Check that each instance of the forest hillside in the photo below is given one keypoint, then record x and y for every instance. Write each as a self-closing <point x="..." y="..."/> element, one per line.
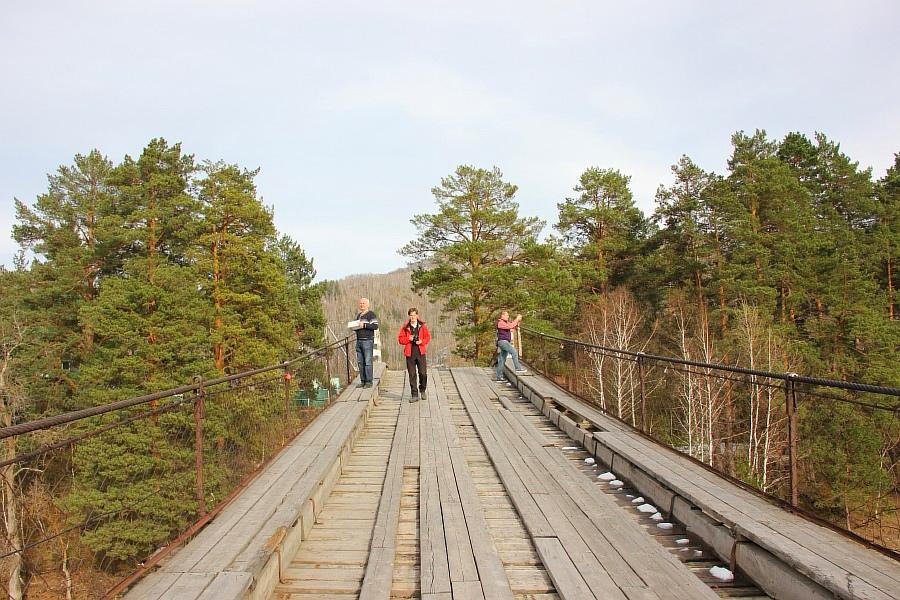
<point x="391" y="295"/>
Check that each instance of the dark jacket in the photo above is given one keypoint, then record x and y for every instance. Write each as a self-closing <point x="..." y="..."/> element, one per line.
<point x="370" y="324"/>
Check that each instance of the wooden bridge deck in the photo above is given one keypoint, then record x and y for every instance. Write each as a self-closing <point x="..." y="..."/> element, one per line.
<point x="480" y="492"/>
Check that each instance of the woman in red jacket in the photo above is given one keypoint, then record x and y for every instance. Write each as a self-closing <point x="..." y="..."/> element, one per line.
<point x="414" y="337"/>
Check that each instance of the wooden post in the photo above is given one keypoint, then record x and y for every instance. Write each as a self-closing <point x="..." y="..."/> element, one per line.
<point x="198" y="446"/>
<point x="790" y="405"/>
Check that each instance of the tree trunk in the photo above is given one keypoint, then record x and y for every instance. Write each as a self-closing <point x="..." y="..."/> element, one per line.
<point x="890" y="287"/>
<point x="478" y="318"/>
<point x="90" y="278"/>
<point x="218" y="346"/>
<point x="723" y="314"/>
<point x="66" y="573"/>
<point x="11" y="504"/>
<point x="782" y="295"/>
<point x="11" y="501"/>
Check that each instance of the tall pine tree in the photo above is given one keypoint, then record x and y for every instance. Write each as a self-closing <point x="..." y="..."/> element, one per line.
<point x="470" y="250"/>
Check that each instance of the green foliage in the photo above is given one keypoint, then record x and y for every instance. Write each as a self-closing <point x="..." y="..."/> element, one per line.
<point x="76" y="231"/>
<point x="471" y="251"/>
<point x="842" y="458"/>
<point x="787" y="262"/>
<point x="885" y="246"/>
<point x="301" y="301"/>
<point x="603" y="228"/>
<point x="244" y="281"/>
<point x="147" y="274"/>
<point x="135" y="484"/>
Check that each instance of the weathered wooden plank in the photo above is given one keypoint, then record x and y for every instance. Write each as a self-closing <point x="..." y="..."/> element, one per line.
<point x="599" y="509"/>
<point x="569" y="583"/>
<point x="380" y="567"/>
<point x="608" y="550"/>
<point x="468" y="590"/>
<point x="643" y="555"/>
<point x="412" y="445"/>
<point x="434" y="566"/>
<point x="591" y="569"/>
<point x="841" y="572"/>
<point x="190" y="585"/>
<point x="459" y="548"/>
<point x="247" y="541"/>
<point x="787" y="536"/>
<point x="622" y="546"/>
<point x="494" y="582"/>
<point x="531" y="515"/>
<point x="228" y="585"/>
<point x="280" y="475"/>
<point x="153" y="587"/>
<point x="845" y="554"/>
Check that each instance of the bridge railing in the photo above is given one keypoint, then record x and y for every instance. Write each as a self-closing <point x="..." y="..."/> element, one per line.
<point x="829" y="448"/>
<point x="93" y="494"/>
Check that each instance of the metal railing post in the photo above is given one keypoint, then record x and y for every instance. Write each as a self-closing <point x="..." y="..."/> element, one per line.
<point x="198" y="445"/>
<point x="347" y="356"/>
<point x="577" y="377"/>
<point x="544" y="352"/>
<point x="790" y="405"/>
<point x="286" y="379"/>
<point x="327" y="357"/>
<point x="640" y="363"/>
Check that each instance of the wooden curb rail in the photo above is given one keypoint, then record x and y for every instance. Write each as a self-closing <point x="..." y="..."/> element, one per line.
<point x="241" y="553"/>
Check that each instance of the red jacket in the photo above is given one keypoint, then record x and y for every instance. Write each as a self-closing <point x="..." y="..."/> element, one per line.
<point x="403" y="338"/>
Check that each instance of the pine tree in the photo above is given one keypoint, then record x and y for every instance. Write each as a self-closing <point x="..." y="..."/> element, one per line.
<point x="303" y="301"/>
<point x="604" y="229"/>
<point x="151" y="323"/>
<point x="74" y="231"/>
<point x="689" y="239"/>
<point x="471" y="250"/>
<point x="160" y="214"/>
<point x="242" y="277"/>
<point x="839" y="315"/>
<point x="887" y="236"/>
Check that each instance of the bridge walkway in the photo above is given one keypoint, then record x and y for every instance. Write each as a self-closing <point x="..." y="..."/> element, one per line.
<point x="466" y="495"/>
<point x="491" y="491"/>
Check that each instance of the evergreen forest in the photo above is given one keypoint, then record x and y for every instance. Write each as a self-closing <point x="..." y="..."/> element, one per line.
<point x="137" y="276"/>
<point x="785" y="263"/>
<point x="141" y="274"/>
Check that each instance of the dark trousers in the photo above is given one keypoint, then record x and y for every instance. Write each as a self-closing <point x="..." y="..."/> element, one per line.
<point x="364" y="351"/>
<point x="417" y="362"/>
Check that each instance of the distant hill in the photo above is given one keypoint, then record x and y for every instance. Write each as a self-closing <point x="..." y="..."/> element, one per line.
<point x="391" y="296"/>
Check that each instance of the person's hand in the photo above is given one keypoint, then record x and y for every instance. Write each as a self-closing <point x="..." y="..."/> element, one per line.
<point x="519" y="317"/>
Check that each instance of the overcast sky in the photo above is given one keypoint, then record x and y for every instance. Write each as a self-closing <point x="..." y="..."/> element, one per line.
<point x="353" y="111"/>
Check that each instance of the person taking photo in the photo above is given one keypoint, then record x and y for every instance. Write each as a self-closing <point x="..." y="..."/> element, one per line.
<point x="504" y="344"/>
<point x="414" y="338"/>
